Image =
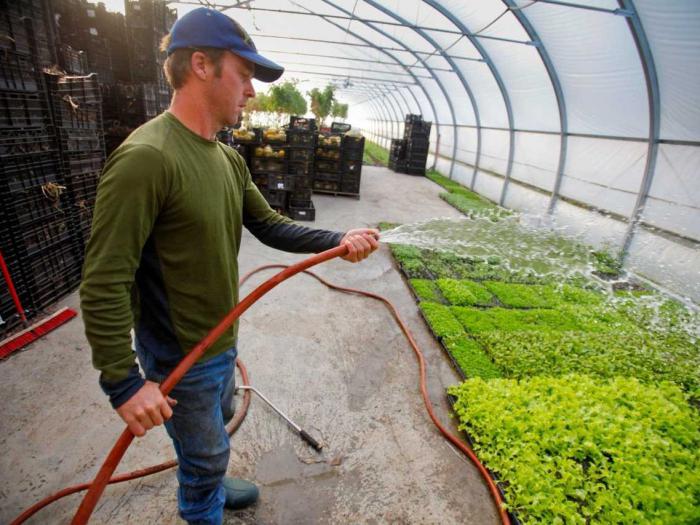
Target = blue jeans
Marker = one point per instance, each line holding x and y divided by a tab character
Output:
204	406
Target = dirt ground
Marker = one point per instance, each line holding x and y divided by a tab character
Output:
337	364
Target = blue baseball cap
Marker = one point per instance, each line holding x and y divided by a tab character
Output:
204	27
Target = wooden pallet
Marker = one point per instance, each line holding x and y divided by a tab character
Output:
338	193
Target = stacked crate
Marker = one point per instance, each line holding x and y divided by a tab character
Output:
301	139
147	22
269	169
32	218
327	165
82	45
339	162
352	149
25	29
410	154
77	114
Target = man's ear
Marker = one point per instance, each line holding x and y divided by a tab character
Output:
198	64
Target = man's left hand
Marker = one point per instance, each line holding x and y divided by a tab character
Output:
361	243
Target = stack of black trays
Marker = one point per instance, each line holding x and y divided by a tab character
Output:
339	162
351	152
411	154
29	160
269	169
327	165
38	120
76	105
301	139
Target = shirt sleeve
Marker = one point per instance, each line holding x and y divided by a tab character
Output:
129	196
277	231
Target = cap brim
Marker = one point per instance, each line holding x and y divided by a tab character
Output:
265	70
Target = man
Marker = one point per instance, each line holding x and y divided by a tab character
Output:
162	257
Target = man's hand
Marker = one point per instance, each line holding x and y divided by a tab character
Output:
361	243
146	409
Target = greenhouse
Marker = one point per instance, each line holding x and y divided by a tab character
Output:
433	262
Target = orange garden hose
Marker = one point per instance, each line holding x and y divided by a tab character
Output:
103	477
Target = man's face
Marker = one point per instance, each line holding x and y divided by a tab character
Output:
230	91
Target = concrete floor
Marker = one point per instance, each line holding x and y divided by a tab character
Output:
337	364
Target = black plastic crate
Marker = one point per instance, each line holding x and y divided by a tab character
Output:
23	26
301	168
83	185
80	141
352	167
353	142
328	153
276	198
302	123
299	195
326	185
339	128
350	186
327	176
301	138
72	60
250	136
353	154
53	274
26	142
327	166
34	205
268	165
80	163
41	236
17	73
280	181
302	182
23	110
411	118
19	173
260	180
301	154
302	211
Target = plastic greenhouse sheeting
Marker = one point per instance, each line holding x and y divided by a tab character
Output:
586	112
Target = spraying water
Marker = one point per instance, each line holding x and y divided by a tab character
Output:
517	243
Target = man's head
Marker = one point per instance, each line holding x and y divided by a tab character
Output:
208	29
212	61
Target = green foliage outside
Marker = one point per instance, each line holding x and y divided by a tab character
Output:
339	110
579	450
322	102
281	101
375	155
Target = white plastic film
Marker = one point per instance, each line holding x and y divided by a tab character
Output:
671	264
494	150
673	203
536	159
604	173
488	185
599	68
673	31
492	109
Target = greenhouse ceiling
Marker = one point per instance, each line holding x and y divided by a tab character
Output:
583	111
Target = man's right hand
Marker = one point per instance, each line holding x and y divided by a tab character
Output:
146	409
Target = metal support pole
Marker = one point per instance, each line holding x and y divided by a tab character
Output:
558	92
652	84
